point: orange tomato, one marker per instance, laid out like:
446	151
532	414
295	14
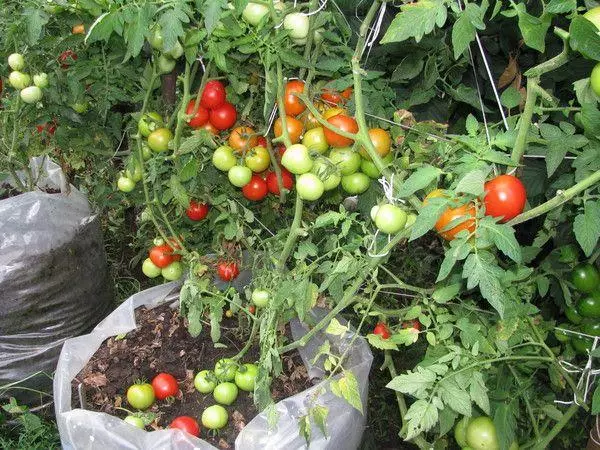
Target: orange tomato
344	123
451	214
242	138
78	29
292	104
309	120
381	141
335	97
347	93
294	128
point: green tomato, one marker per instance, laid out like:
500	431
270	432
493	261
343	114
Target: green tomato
165	64
589	307
562	336
225	393
314	140
573	315
585	277
31	94
149	122
159	139
374	211
125	184
390	219
260	297
369	168
327	172
134	173
309	187
135	421
223	158
16	61
593	15
204	381
591	328
150	269
481	434
254	12
156	38
296	25
355	184
214	417
140	395
346	159
225	369
460	431
146	152
80	107
257	159
297	159
239	176
582	344
176	52
245	377
41	80
19	80
173	271
595	79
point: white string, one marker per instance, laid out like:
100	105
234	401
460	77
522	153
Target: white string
271	119
322	5
372	247
485	124
388	189
597	432
374	32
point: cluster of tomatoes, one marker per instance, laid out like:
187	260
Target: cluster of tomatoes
381	328
295	24
584	315
29	93
163	260
505	198
478	433
166	59
217	382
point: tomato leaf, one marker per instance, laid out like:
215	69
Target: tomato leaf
459	250
346	387
446	293
335	328
464	29
478	392
171	23
212	13
378	342
586	227
419	179
178	191
319	415
596	401
421	417
481	269
532	28
416	20
584	38
505	421
416	383
561	6
35	19
472	182
503	237
453	396
428	216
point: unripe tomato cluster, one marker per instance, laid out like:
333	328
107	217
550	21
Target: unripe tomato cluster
166	59
22	81
584	314
162	260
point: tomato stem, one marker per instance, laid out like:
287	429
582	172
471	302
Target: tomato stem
293	234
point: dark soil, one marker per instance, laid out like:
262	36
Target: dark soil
162	344
7	191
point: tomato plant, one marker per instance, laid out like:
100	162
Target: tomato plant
213	95
585	277
159	139
242	139
162	255
294	128
225	369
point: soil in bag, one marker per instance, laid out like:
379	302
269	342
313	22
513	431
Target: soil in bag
161	343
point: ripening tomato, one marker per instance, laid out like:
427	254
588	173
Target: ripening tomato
67	58
292	104
505	197
297	159
309	187
412	324
196	211
223	117
198	119
227	270
294	128
314	139
332	112
78	29
451	214
355	183
187	424
344	123
210	128
382	330
159	139
261	141
223	158
242	139
287	180
256	189
164	385
258	159
214	95
162	255
140	395
381	141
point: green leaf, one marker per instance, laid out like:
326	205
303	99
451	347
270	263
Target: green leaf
590	117
179	192
561	6
415	383
212	13
586	227
189	170
346	387
421	417
455	397
463	33
416	20
472	125
584	38
481	270
319	414
428	216
503	237
406	336
472	183
466	95
511	97
478	392
532	28
378	342
413	312
505	420
171	23
136	30
446	293
327	219
304	428
419	179
498	158
102	28
35	19
459	250
335	328
555	156
596	401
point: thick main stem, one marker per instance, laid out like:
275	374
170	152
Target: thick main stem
525	122
543	444
293	234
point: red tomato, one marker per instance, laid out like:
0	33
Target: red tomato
224	116
187	424
251	309
292	104
412	324
344	123
228	270
256	189
200	118
382	330
286	178
261	141
336	98
164	385
213	95
67	58
280	151
162	255
505	197
197	211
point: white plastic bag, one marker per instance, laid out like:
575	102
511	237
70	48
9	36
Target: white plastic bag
81	429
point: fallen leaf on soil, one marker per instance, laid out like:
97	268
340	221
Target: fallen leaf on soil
239	421
96	380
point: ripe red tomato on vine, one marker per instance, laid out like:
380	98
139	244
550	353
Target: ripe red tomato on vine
214	95
228	270
505	197
162	255
415	324
223	117
256	189
382	330
287	180
344	123
67	58
197	211
292	104
200	118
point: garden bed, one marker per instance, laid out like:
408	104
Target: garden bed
162	344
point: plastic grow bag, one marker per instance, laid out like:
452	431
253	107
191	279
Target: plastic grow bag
54	278
81	429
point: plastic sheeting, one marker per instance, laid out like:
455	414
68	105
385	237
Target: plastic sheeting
54	278
81	429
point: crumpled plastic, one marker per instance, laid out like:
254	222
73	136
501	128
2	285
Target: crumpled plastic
82	429
54	278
